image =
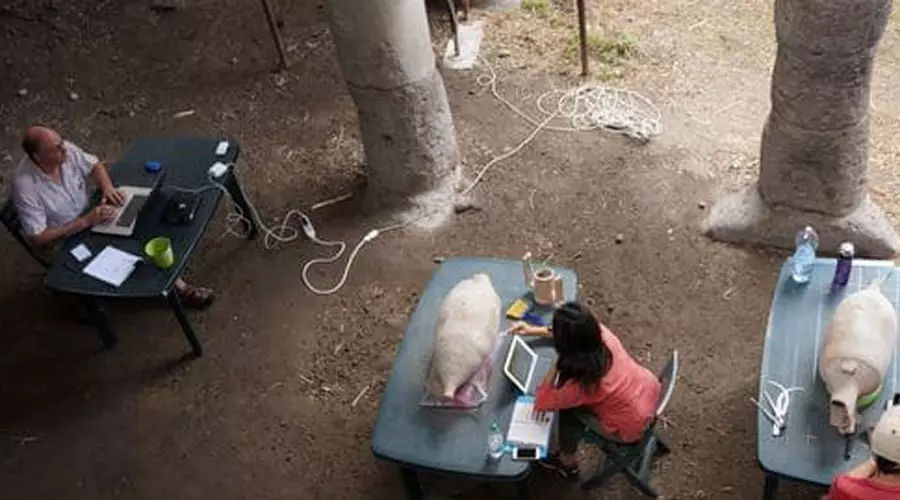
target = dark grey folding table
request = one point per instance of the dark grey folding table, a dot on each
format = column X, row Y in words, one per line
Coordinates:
column 810, row 450
column 185, row 163
column 450, row 441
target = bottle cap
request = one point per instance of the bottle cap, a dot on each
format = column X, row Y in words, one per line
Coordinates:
column 847, row 249
column 152, row 166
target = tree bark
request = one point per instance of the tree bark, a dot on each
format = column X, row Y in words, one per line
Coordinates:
column 815, row 144
column 385, row 55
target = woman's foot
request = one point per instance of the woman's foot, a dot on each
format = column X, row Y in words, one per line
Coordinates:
column 195, row 297
column 566, row 467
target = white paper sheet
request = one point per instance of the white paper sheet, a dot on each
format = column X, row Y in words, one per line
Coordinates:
column 112, row 266
column 525, row 428
column 81, row 253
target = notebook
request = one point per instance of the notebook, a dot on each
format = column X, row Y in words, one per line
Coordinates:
column 528, row 428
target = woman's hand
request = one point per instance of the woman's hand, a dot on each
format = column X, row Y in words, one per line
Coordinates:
column 522, row 328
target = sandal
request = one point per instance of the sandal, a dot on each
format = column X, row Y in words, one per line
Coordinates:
column 196, row 297
column 552, row 462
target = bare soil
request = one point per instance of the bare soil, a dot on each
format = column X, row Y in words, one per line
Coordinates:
column 267, row 413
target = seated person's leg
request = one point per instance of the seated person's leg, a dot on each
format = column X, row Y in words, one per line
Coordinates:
column 192, row 296
column 568, row 432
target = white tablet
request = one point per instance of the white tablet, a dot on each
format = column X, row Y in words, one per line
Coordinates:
column 520, row 364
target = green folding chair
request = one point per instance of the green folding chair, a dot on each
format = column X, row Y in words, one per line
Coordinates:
column 633, row 459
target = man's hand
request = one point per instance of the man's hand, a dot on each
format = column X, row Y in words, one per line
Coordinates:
column 113, row 196
column 100, row 213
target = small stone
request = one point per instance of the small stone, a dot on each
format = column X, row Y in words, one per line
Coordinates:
column 465, row 207
column 74, row 96
column 610, row 309
column 504, row 53
column 23, row 92
column 234, row 60
column 620, row 238
column 702, row 205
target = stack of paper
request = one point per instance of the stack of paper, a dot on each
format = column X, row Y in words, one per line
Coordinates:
column 112, row 266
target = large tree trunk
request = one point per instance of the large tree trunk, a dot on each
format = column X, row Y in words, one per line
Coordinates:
column 815, row 144
column 385, row 54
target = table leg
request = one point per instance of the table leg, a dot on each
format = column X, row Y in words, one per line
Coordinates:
column 522, row 492
column 770, row 488
column 175, row 304
column 237, row 194
column 411, row 483
column 97, row 312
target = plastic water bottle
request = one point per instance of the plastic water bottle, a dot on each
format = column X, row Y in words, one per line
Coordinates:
column 495, row 442
column 807, row 242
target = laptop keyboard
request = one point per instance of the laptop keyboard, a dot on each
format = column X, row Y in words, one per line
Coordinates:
column 131, row 210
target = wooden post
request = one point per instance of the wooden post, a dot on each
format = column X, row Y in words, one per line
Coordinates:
column 276, row 34
column 582, row 35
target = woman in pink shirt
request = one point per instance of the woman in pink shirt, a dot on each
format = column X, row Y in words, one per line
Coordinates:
column 593, row 373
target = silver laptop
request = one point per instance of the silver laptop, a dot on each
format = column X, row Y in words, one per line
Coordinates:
column 122, row 224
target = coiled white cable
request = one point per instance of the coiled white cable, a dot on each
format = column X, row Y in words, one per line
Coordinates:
column 285, row 233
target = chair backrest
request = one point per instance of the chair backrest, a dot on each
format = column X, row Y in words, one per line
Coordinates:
column 667, row 377
column 10, row 218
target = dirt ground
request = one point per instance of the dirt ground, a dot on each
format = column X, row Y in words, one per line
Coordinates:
column 267, row 413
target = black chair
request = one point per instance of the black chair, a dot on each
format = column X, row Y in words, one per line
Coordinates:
column 10, row 218
column 93, row 308
column 633, row 459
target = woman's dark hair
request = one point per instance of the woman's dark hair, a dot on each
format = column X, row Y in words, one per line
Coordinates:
column 885, row 466
column 582, row 356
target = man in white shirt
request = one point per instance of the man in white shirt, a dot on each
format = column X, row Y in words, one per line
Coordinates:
column 50, row 194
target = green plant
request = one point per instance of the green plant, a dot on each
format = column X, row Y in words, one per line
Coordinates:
column 610, row 54
column 542, row 7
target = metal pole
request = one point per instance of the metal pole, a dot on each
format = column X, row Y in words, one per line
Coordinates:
column 582, row 35
column 276, row 34
column 454, row 24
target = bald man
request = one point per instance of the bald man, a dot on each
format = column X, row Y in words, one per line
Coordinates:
column 50, row 195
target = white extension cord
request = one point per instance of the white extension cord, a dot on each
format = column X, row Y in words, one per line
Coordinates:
column 285, row 233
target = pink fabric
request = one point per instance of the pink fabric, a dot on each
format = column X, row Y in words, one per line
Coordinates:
column 624, row 400
column 846, row 487
column 472, row 393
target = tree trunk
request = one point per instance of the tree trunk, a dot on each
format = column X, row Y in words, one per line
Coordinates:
column 815, row 144
column 385, row 54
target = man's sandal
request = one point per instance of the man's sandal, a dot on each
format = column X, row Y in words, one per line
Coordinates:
column 568, row 472
column 196, row 297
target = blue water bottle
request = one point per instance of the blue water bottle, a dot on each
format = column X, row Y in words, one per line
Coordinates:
column 807, row 242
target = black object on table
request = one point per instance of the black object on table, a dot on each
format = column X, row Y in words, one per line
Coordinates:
column 444, row 440
column 809, row 449
column 185, row 164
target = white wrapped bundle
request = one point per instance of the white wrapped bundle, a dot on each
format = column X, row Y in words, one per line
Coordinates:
column 465, row 334
column 857, row 352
